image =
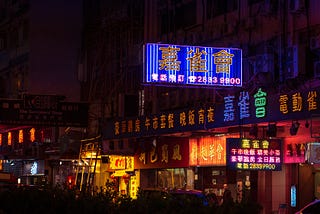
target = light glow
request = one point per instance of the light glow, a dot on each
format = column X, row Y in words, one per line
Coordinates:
column 254, row 154
column 192, row 65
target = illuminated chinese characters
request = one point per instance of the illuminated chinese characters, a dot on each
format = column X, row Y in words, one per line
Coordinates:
column 244, row 104
column 206, row 151
column 165, row 121
column 295, row 102
column 192, row 65
column 229, row 111
column 121, row 162
column 254, row 154
column 167, row 152
column 258, row 106
column 260, row 103
column 223, row 61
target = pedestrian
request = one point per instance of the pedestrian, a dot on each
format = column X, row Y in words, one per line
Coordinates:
column 227, row 205
column 213, row 200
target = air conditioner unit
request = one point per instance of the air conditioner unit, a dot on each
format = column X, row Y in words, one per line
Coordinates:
column 316, row 69
column 315, row 43
column 297, row 6
column 264, row 63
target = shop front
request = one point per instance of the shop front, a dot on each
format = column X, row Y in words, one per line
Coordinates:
column 301, row 168
column 120, row 171
column 164, row 163
column 261, row 114
column 208, row 157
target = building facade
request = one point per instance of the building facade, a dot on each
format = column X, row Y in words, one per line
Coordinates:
column 40, row 45
column 280, row 57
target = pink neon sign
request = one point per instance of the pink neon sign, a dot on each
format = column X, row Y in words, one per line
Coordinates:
column 254, row 154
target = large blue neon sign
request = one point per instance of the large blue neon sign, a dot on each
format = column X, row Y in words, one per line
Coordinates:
column 192, row 65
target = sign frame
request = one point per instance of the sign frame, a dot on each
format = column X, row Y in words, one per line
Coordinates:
column 174, row 65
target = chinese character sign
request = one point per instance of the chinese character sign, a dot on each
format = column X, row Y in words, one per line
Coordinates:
column 166, row 153
column 260, row 103
column 207, row 151
column 254, row 154
column 192, row 65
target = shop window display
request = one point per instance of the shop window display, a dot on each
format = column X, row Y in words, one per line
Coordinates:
column 172, row 178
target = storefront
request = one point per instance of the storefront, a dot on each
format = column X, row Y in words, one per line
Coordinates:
column 208, row 157
column 164, row 163
column 120, row 170
column 28, row 172
column 262, row 115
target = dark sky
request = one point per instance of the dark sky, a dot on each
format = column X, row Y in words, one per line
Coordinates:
column 55, row 44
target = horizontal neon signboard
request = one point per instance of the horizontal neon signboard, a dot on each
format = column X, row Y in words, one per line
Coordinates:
column 254, row 154
column 207, row 151
column 192, row 65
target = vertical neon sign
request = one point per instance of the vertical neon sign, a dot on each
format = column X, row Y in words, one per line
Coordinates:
column 244, row 103
column 293, row 196
column 260, row 103
column 9, row 138
column 20, row 136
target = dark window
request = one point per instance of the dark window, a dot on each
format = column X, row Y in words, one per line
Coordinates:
column 218, row 7
column 251, row 2
column 166, row 22
column 180, row 16
column 111, row 145
column 120, row 144
column 186, row 15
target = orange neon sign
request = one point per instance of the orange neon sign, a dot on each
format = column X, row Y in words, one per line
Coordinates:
column 207, row 151
column 32, row 134
column 9, row 138
column 20, row 140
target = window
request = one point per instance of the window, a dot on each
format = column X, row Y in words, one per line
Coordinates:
column 218, row 7
column 172, row 178
column 3, row 44
column 251, row 2
column 180, row 16
column 186, row 15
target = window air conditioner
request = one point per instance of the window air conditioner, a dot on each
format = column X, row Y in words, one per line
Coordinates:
column 316, row 69
column 297, row 6
column 315, row 43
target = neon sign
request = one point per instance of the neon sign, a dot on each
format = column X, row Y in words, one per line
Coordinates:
column 165, row 153
column 244, row 104
column 167, row 121
column 260, row 103
column 254, row 154
column 261, row 106
column 229, row 110
column 208, row 151
column 192, row 65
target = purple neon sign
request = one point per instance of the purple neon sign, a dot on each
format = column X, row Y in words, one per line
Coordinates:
column 254, row 154
column 192, row 65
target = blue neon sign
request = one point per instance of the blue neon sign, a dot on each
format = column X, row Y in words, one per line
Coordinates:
column 192, row 65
